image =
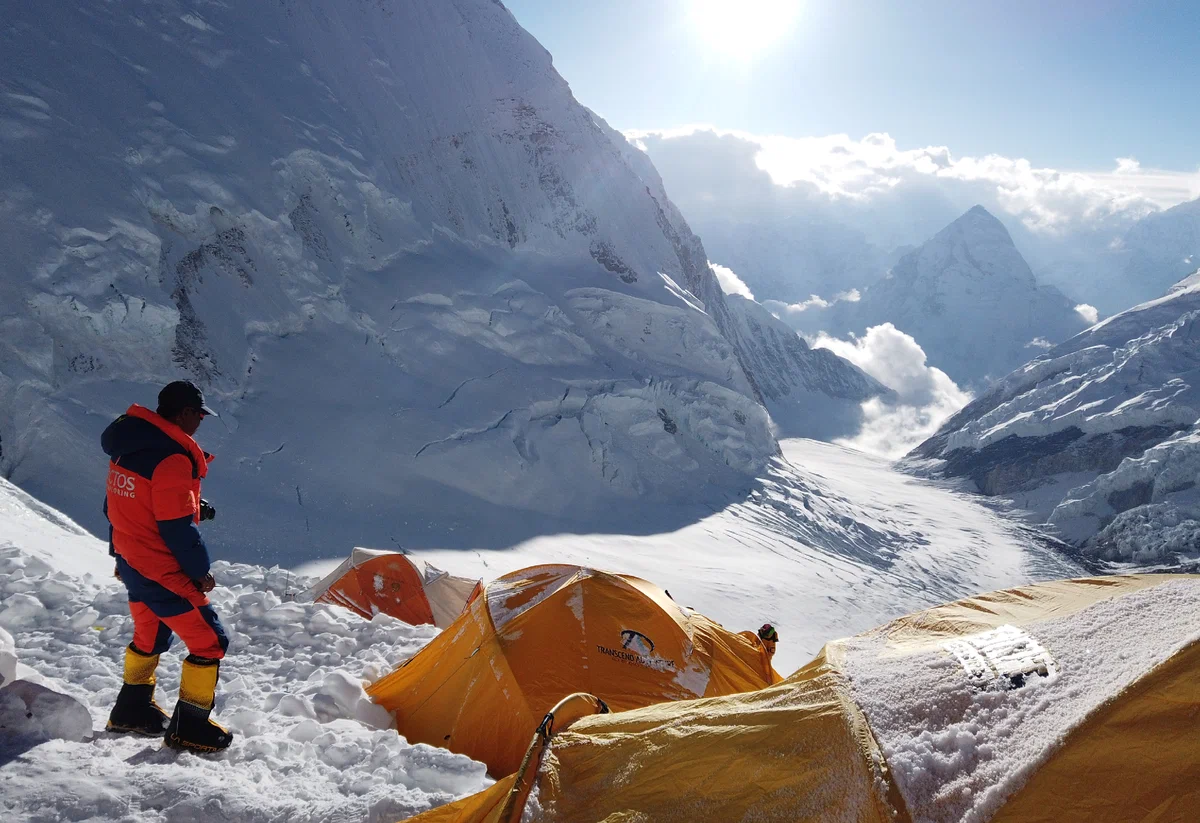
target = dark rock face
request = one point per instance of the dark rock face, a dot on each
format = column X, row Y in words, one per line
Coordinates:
column 1015, row 463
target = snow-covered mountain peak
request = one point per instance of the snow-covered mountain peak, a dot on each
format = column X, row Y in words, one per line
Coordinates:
column 969, row 299
column 973, row 247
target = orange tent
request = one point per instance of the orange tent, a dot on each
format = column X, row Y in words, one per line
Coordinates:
column 370, row 582
column 1074, row 701
column 540, row 634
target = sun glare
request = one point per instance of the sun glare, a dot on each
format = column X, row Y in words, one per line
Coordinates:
column 743, row 28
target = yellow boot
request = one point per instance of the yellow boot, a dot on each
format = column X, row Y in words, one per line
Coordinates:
column 190, row 726
column 135, row 711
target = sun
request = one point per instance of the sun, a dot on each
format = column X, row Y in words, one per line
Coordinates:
column 742, row 28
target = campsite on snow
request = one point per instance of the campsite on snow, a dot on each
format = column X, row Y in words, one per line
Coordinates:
column 392, row 431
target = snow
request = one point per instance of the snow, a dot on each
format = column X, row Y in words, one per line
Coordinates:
column 310, row 745
column 957, row 750
column 969, row 299
column 828, row 542
column 1167, row 523
column 1099, row 437
column 421, row 283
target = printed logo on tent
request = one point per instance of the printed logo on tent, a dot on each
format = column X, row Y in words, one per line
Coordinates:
column 637, row 642
column 637, row 649
column 1002, row 657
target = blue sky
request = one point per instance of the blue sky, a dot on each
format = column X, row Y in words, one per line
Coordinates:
column 1068, row 84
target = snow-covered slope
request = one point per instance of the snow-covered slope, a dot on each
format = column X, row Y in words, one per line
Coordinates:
column 1099, row 436
column 833, row 543
column 969, row 299
column 310, row 745
column 421, row 283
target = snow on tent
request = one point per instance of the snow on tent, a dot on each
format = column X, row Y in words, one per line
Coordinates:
column 369, row 582
column 536, row 635
column 1074, row 701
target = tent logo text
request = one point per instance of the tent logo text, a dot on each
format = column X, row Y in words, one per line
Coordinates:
column 637, row 649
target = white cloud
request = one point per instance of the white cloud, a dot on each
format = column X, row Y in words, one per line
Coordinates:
column 875, row 169
column 1039, row 343
column 1088, row 313
column 730, row 282
column 925, row 395
column 783, row 310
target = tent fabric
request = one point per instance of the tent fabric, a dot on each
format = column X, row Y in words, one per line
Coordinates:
column 537, row 635
column 370, row 582
column 806, row 750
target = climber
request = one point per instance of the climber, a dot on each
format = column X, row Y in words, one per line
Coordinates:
column 769, row 638
column 153, row 505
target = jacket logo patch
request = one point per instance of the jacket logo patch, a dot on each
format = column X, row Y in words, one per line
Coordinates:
column 122, row 484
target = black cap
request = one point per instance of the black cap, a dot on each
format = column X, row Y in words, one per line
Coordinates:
column 180, row 395
column 767, row 632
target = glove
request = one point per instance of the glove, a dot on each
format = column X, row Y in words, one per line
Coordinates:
column 205, row 584
column 207, row 512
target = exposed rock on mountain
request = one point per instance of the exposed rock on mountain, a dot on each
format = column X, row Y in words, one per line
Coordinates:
column 1099, row 437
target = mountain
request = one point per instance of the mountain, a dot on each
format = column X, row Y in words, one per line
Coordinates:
column 969, row 299
column 1100, row 436
column 1160, row 249
column 1118, row 269
column 422, row 284
column 809, row 392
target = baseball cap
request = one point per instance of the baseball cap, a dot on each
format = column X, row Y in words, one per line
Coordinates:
column 180, row 395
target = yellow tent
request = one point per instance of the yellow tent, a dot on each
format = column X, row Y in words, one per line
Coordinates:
column 534, row 636
column 1074, row 701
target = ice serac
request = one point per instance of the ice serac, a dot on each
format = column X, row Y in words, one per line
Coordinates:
column 969, row 299
column 435, row 298
column 1099, row 437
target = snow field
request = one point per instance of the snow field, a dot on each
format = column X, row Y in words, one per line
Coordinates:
column 310, row 745
column 958, row 751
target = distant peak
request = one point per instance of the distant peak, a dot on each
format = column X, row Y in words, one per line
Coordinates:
column 976, row 224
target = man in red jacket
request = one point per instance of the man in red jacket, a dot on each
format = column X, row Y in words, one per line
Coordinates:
column 153, row 506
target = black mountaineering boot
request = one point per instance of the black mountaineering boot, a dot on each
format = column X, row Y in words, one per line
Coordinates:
column 135, row 711
column 190, row 727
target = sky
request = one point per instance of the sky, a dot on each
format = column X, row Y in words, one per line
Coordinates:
column 1069, row 84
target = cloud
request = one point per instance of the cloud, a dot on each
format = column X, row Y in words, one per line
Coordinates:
column 864, row 176
column 925, row 395
column 783, row 310
column 1088, row 313
column 730, row 282
column 1039, row 343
